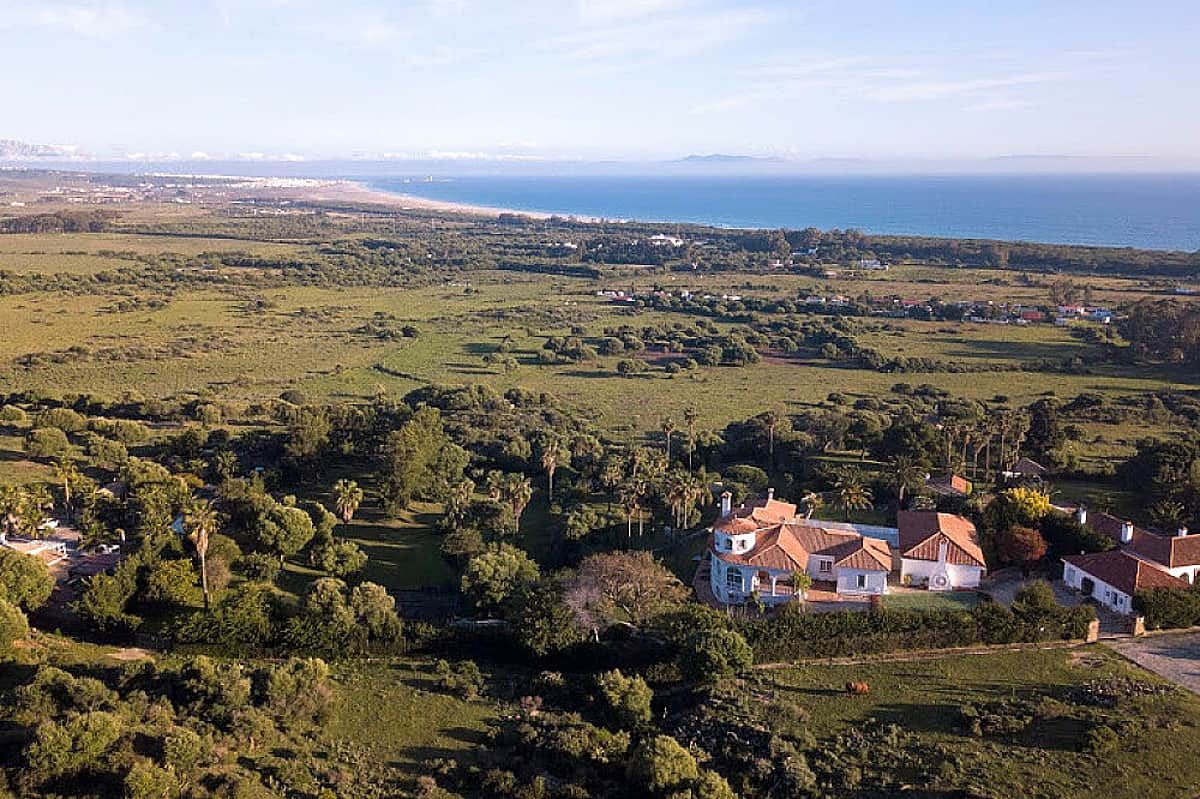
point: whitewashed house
(939, 550)
(1113, 577)
(757, 550)
(1178, 555)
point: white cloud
(636, 43)
(607, 11)
(998, 104)
(940, 89)
(94, 20)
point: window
(733, 579)
(862, 581)
(825, 566)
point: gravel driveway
(1175, 656)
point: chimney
(1081, 514)
(943, 551)
(1182, 531)
(1126, 532)
(726, 503)
(770, 494)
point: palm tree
(494, 483)
(771, 418)
(517, 492)
(66, 474)
(811, 501)
(851, 495)
(611, 476)
(37, 501)
(690, 417)
(551, 452)
(908, 474)
(200, 521)
(347, 496)
(629, 498)
(225, 464)
(12, 501)
(668, 429)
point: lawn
(932, 600)
(1160, 740)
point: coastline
(355, 191)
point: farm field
(251, 345)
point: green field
(922, 697)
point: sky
(596, 79)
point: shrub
(341, 559)
(13, 625)
(64, 419)
(148, 781)
(59, 749)
(11, 414)
(464, 678)
(1166, 608)
(626, 699)
(171, 582)
(659, 764)
(295, 689)
(259, 567)
(24, 580)
(46, 442)
(496, 574)
(1100, 740)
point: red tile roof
(1171, 551)
(923, 532)
(1124, 571)
(756, 516)
(787, 547)
(950, 484)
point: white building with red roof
(1113, 577)
(939, 550)
(757, 549)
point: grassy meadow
(1159, 732)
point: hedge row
(1169, 608)
(795, 634)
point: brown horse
(858, 688)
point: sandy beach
(350, 191)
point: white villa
(1113, 577)
(939, 550)
(1142, 560)
(757, 549)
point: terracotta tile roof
(1124, 571)
(1171, 551)
(756, 516)
(788, 547)
(923, 532)
(871, 554)
(950, 484)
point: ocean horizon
(1157, 212)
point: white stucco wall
(1188, 573)
(1103, 593)
(847, 581)
(922, 570)
(814, 568)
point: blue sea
(1149, 211)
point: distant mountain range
(13, 150)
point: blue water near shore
(1150, 211)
